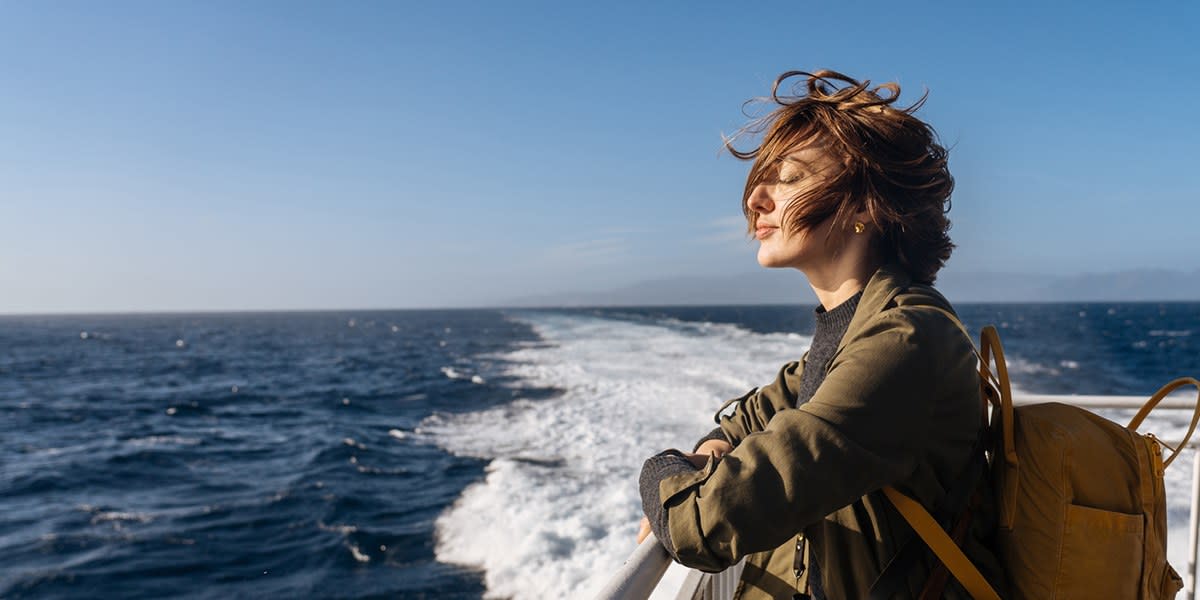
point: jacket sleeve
(751, 412)
(864, 428)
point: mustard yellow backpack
(1080, 499)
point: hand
(717, 448)
(713, 448)
(699, 460)
(643, 529)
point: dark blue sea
(420, 454)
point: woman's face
(799, 171)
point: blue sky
(233, 155)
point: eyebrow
(814, 165)
(797, 161)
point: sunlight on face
(799, 172)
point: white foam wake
(557, 512)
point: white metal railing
(638, 577)
(640, 574)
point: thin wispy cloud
(724, 231)
(627, 231)
(732, 221)
(603, 250)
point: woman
(851, 190)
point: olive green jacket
(899, 405)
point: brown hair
(890, 164)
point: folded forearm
(654, 470)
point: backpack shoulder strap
(952, 513)
(941, 544)
(1153, 402)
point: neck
(831, 295)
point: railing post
(1193, 527)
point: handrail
(641, 572)
(1174, 401)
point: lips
(763, 231)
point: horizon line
(249, 311)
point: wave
(558, 509)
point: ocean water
(422, 454)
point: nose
(760, 200)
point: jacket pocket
(1101, 554)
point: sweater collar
(838, 318)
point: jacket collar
(888, 281)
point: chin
(777, 260)
(768, 262)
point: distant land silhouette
(790, 287)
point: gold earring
(859, 227)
